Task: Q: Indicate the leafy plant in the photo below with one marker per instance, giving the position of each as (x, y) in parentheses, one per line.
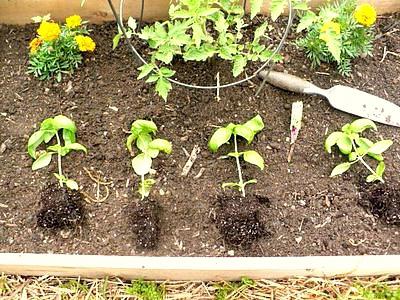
(149, 148)
(145, 290)
(340, 32)
(379, 292)
(49, 129)
(227, 289)
(202, 29)
(357, 148)
(247, 131)
(57, 50)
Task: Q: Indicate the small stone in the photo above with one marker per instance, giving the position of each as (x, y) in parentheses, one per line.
(299, 239)
(162, 193)
(231, 253)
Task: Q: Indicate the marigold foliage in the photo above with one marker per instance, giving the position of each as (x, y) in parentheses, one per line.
(56, 50)
(85, 43)
(337, 34)
(49, 31)
(73, 21)
(365, 14)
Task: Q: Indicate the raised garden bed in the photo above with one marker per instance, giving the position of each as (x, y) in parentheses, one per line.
(301, 210)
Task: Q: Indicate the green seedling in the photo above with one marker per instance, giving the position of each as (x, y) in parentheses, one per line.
(233, 290)
(50, 128)
(149, 148)
(146, 290)
(357, 148)
(247, 131)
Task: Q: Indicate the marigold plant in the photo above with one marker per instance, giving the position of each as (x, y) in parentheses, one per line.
(57, 49)
(340, 32)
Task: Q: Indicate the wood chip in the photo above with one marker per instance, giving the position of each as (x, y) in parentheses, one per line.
(192, 158)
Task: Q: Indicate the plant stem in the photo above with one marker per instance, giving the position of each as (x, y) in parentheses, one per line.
(143, 189)
(238, 167)
(360, 158)
(59, 160)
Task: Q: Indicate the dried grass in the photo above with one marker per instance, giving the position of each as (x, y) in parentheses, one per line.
(50, 287)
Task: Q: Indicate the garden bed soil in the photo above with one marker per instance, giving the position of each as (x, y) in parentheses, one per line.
(295, 209)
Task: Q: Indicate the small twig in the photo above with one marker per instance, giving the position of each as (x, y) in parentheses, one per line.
(98, 182)
(191, 160)
(218, 85)
(200, 173)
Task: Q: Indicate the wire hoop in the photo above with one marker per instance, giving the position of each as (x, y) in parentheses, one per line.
(208, 87)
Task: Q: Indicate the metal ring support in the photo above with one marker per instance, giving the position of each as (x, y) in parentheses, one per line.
(143, 61)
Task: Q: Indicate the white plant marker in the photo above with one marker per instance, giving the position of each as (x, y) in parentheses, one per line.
(295, 125)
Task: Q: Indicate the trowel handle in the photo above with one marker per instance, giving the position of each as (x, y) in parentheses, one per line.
(290, 82)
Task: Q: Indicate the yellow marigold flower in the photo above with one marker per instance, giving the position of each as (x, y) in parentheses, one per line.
(49, 31)
(73, 21)
(331, 26)
(34, 45)
(365, 14)
(85, 43)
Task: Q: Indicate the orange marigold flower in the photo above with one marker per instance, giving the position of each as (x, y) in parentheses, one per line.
(73, 21)
(34, 45)
(49, 31)
(85, 43)
(365, 14)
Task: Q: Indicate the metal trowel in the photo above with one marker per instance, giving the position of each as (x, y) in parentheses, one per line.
(341, 97)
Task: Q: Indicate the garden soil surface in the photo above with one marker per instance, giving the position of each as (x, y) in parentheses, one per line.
(294, 209)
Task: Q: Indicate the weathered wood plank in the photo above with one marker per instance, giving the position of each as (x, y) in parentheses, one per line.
(97, 11)
(197, 268)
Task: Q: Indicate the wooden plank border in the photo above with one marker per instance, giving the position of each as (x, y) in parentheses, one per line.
(97, 11)
(197, 268)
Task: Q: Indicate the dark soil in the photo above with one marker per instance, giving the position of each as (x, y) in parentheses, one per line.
(238, 220)
(383, 202)
(146, 223)
(61, 208)
(308, 212)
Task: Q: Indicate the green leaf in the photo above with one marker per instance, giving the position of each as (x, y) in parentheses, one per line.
(277, 8)
(340, 169)
(352, 156)
(141, 164)
(132, 23)
(220, 137)
(144, 126)
(333, 42)
(145, 187)
(332, 139)
(254, 158)
(235, 154)
(255, 7)
(116, 40)
(131, 138)
(145, 70)
(239, 63)
(256, 124)
(372, 178)
(163, 87)
(251, 181)
(72, 184)
(260, 32)
(232, 185)
(42, 161)
(34, 141)
(161, 145)
(360, 125)
(61, 121)
(143, 141)
(76, 147)
(198, 34)
(166, 72)
(380, 169)
(68, 136)
(306, 21)
(244, 132)
(344, 144)
(380, 147)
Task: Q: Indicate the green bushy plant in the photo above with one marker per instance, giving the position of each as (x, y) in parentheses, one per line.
(340, 32)
(202, 29)
(356, 148)
(247, 131)
(57, 50)
(50, 128)
(149, 148)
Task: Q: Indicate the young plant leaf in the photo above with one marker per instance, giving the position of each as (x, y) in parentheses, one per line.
(42, 161)
(380, 169)
(144, 126)
(161, 145)
(344, 144)
(163, 87)
(220, 137)
(145, 187)
(132, 23)
(255, 7)
(34, 141)
(239, 63)
(68, 136)
(61, 122)
(340, 169)
(371, 178)
(143, 141)
(145, 70)
(244, 132)
(331, 140)
(131, 138)
(306, 21)
(232, 185)
(256, 124)
(251, 181)
(77, 147)
(71, 184)
(254, 158)
(277, 8)
(360, 125)
(141, 164)
(116, 40)
(380, 147)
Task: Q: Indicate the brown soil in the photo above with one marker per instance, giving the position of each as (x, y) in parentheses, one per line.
(61, 208)
(309, 213)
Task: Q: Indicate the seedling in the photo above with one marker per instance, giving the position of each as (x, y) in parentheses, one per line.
(146, 290)
(356, 148)
(247, 130)
(49, 129)
(141, 133)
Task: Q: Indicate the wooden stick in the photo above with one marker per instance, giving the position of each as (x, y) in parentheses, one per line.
(197, 268)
